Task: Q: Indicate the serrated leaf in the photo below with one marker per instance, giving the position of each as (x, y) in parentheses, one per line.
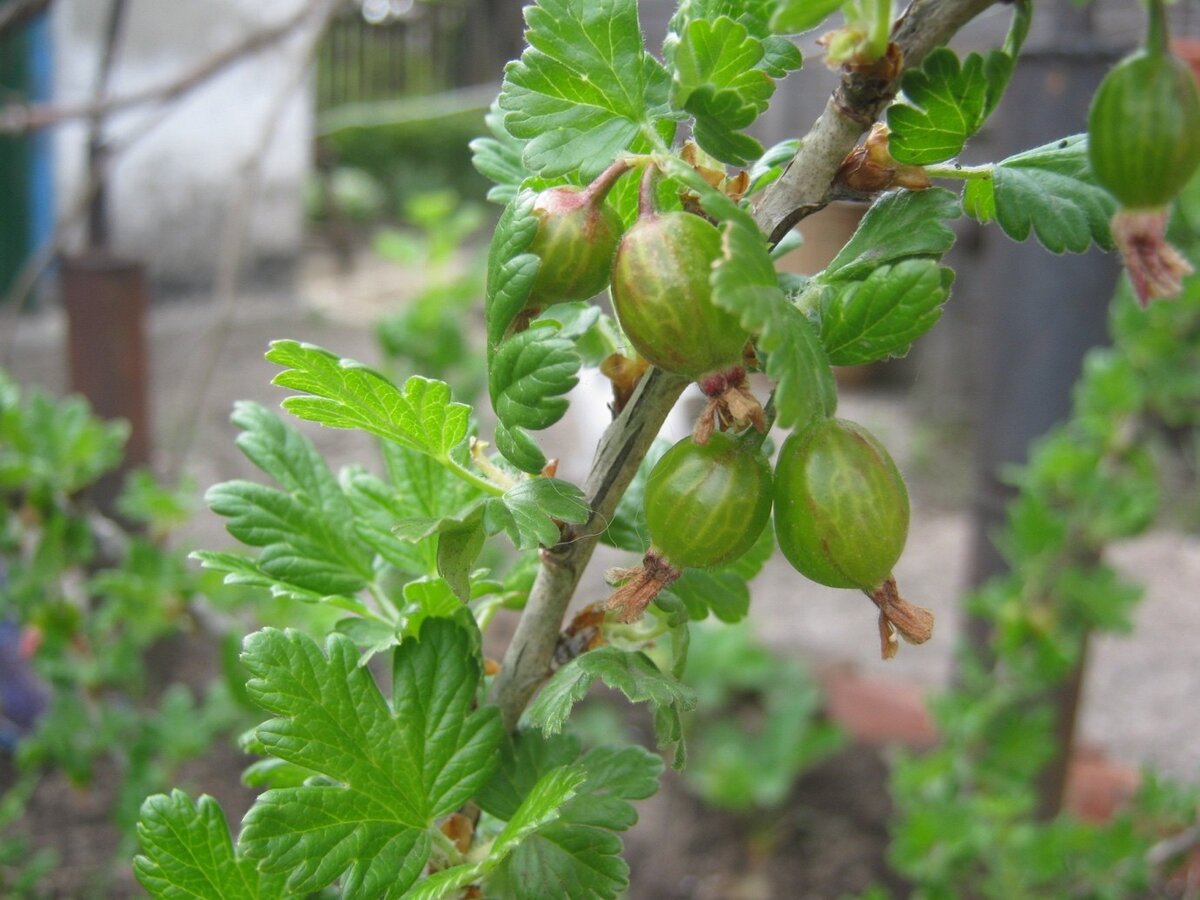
(388, 772)
(540, 807)
(371, 636)
(187, 853)
(584, 89)
(880, 316)
(529, 375)
(1050, 191)
(632, 673)
(530, 372)
(341, 393)
(945, 102)
(302, 546)
(377, 508)
(744, 282)
(498, 158)
(579, 854)
(457, 550)
(306, 531)
(723, 593)
(718, 80)
(511, 269)
(519, 448)
(898, 225)
(527, 511)
(798, 16)
(427, 598)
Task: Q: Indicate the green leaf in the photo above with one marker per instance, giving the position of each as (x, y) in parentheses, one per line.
(377, 507)
(389, 773)
(578, 855)
(187, 853)
(632, 673)
(511, 269)
(880, 316)
(797, 16)
(1048, 190)
(528, 376)
(527, 512)
(898, 225)
(427, 598)
(344, 394)
(945, 103)
(722, 592)
(498, 158)
(585, 89)
(744, 283)
(529, 372)
(540, 808)
(718, 80)
(305, 543)
(457, 550)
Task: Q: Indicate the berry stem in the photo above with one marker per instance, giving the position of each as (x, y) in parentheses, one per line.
(961, 172)
(603, 183)
(646, 192)
(1156, 33)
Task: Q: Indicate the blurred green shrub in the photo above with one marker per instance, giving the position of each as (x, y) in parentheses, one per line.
(757, 725)
(83, 600)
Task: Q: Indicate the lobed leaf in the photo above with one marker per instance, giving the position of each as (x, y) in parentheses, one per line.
(304, 544)
(880, 316)
(632, 673)
(187, 853)
(388, 773)
(723, 593)
(578, 854)
(344, 394)
(584, 89)
(744, 283)
(1050, 191)
(945, 102)
(797, 16)
(528, 511)
(718, 79)
(498, 158)
(899, 225)
(511, 269)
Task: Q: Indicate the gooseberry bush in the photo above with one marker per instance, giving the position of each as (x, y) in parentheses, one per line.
(622, 170)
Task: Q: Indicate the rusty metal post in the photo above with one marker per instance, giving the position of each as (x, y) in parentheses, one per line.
(106, 301)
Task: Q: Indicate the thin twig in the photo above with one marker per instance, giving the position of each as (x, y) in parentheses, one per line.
(527, 662)
(17, 118)
(97, 150)
(233, 244)
(804, 188)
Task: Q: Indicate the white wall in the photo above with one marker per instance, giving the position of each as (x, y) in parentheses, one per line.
(169, 193)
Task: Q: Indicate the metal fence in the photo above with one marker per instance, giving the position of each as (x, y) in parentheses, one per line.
(380, 51)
